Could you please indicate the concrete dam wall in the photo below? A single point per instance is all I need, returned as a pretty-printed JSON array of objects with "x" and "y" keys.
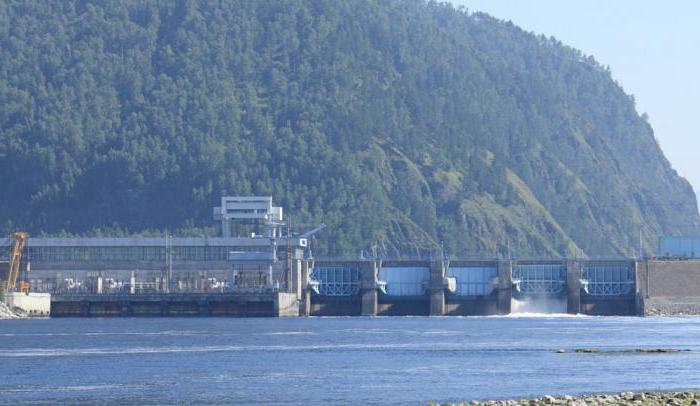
[{"x": 421, "y": 288}]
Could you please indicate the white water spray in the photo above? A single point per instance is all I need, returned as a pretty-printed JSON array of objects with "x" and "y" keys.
[{"x": 538, "y": 307}]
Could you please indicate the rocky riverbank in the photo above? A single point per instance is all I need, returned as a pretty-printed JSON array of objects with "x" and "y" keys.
[
  {"x": 624, "y": 398},
  {"x": 672, "y": 309},
  {"x": 672, "y": 306},
  {"x": 7, "y": 313}
]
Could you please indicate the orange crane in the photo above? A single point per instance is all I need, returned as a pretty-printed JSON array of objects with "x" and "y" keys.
[{"x": 15, "y": 258}]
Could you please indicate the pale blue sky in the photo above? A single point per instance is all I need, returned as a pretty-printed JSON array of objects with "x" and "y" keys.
[{"x": 651, "y": 46}]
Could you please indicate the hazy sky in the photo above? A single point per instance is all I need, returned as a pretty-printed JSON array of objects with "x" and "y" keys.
[{"x": 651, "y": 46}]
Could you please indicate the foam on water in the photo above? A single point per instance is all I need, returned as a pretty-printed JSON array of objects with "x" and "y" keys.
[
  {"x": 105, "y": 333},
  {"x": 46, "y": 352},
  {"x": 389, "y": 346},
  {"x": 538, "y": 307},
  {"x": 542, "y": 315},
  {"x": 371, "y": 331},
  {"x": 68, "y": 388}
]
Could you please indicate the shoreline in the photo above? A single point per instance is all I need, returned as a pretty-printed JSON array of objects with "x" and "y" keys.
[{"x": 691, "y": 397}]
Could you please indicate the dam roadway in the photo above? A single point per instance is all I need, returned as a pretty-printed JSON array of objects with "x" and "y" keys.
[{"x": 400, "y": 288}]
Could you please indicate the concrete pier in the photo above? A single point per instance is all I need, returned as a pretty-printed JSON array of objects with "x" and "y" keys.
[
  {"x": 368, "y": 288},
  {"x": 437, "y": 288},
  {"x": 305, "y": 289},
  {"x": 573, "y": 287},
  {"x": 641, "y": 289},
  {"x": 286, "y": 305},
  {"x": 504, "y": 287}
]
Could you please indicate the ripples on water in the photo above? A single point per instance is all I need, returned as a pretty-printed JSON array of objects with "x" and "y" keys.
[{"x": 404, "y": 360}]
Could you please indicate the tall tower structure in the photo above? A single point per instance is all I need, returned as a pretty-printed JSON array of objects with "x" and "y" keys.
[{"x": 255, "y": 212}]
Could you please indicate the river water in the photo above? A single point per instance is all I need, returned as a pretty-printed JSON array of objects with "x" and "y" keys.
[{"x": 338, "y": 361}]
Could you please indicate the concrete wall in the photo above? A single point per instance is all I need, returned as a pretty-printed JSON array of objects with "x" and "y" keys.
[
  {"x": 35, "y": 304},
  {"x": 673, "y": 278},
  {"x": 608, "y": 306},
  {"x": 478, "y": 306},
  {"x": 336, "y": 305},
  {"x": 404, "y": 306},
  {"x": 668, "y": 287},
  {"x": 266, "y": 304}
]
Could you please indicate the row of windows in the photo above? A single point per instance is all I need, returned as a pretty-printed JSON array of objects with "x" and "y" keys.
[{"x": 65, "y": 254}]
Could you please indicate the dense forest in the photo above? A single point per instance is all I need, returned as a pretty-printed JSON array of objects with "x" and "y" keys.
[{"x": 400, "y": 124}]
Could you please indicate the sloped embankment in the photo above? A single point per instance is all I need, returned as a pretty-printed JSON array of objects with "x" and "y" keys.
[{"x": 7, "y": 313}]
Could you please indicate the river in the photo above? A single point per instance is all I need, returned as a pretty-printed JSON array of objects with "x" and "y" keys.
[{"x": 339, "y": 361}]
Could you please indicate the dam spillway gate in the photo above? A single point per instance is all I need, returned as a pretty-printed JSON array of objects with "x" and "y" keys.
[
  {"x": 539, "y": 279},
  {"x": 608, "y": 279},
  {"x": 608, "y": 288},
  {"x": 403, "y": 289},
  {"x": 336, "y": 280}
]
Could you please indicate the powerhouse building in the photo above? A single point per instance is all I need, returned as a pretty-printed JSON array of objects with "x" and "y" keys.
[{"x": 263, "y": 256}]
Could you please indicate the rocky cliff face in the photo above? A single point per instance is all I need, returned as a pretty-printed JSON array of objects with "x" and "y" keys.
[{"x": 400, "y": 124}]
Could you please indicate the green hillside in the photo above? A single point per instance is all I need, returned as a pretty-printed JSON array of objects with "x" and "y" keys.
[{"x": 397, "y": 123}]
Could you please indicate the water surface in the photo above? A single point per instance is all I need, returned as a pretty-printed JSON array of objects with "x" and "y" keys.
[{"x": 339, "y": 361}]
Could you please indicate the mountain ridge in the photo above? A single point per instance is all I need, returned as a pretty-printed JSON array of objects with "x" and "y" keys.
[{"x": 403, "y": 125}]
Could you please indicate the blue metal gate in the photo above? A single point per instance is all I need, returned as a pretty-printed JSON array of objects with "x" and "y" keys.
[
  {"x": 539, "y": 279},
  {"x": 473, "y": 281},
  {"x": 405, "y": 281},
  {"x": 336, "y": 280},
  {"x": 607, "y": 279}
]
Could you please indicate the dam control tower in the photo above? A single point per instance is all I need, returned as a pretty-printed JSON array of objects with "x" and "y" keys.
[{"x": 252, "y": 215}]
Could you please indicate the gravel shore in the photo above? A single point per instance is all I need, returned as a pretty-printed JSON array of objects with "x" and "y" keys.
[{"x": 624, "y": 398}]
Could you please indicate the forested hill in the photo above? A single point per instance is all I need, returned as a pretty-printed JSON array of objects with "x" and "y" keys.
[{"x": 398, "y": 122}]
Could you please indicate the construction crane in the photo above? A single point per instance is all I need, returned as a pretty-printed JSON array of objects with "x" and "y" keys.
[{"x": 15, "y": 259}]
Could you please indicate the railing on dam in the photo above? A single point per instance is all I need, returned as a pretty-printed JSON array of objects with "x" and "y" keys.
[
  {"x": 473, "y": 281},
  {"x": 336, "y": 280},
  {"x": 539, "y": 279},
  {"x": 405, "y": 281},
  {"x": 607, "y": 278}
]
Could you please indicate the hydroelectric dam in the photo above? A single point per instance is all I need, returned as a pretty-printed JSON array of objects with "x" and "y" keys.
[
  {"x": 369, "y": 288},
  {"x": 270, "y": 272}
]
